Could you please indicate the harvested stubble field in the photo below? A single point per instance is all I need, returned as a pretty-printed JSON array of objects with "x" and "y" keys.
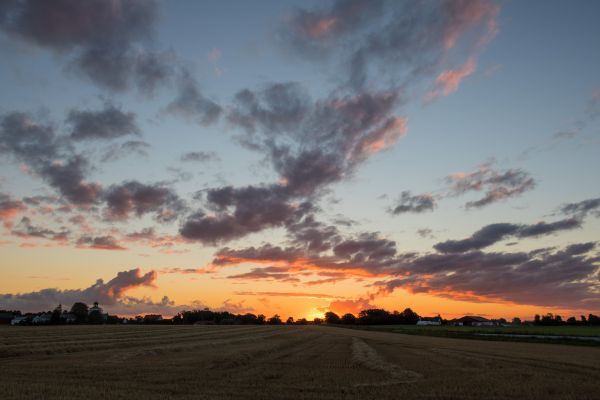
[{"x": 283, "y": 362}]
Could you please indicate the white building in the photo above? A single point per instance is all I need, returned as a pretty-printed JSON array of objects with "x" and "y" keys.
[{"x": 429, "y": 321}]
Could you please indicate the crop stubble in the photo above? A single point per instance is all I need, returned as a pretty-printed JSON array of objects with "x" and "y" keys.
[{"x": 283, "y": 362}]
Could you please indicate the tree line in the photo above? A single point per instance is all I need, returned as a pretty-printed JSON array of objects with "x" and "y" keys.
[{"x": 80, "y": 313}]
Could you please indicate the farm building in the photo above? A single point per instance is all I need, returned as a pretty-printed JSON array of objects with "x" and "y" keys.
[
  {"x": 43, "y": 318},
  {"x": 429, "y": 321},
  {"x": 19, "y": 319},
  {"x": 469, "y": 320}
]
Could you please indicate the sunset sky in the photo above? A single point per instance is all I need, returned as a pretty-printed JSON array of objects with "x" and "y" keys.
[{"x": 295, "y": 157}]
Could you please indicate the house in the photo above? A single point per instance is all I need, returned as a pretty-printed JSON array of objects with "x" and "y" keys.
[
  {"x": 429, "y": 321},
  {"x": 471, "y": 320},
  {"x": 68, "y": 318},
  {"x": 43, "y": 318},
  {"x": 95, "y": 308},
  {"x": 19, "y": 319}
]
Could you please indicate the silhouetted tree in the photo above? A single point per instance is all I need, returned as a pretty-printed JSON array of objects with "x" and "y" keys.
[
  {"x": 593, "y": 319},
  {"x": 571, "y": 321},
  {"x": 55, "y": 318},
  {"x": 537, "y": 320},
  {"x": 375, "y": 316},
  {"x": 290, "y": 321},
  {"x": 516, "y": 321},
  {"x": 409, "y": 317},
  {"x": 348, "y": 319},
  {"x": 260, "y": 319},
  {"x": 80, "y": 310},
  {"x": 275, "y": 320},
  {"x": 332, "y": 318},
  {"x": 317, "y": 321}
]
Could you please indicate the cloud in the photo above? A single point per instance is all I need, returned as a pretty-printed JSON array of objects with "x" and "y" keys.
[
  {"x": 448, "y": 81},
  {"x": 236, "y": 212},
  {"x": 413, "y": 203},
  {"x": 498, "y": 185},
  {"x": 192, "y": 105},
  {"x": 131, "y": 147},
  {"x": 26, "y": 229},
  {"x": 109, "y": 294},
  {"x": 9, "y": 208},
  {"x": 99, "y": 243},
  {"x": 314, "y": 143},
  {"x": 48, "y": 156},
  {"x": 200, "y": 156},
  {"x": 493, "y": 233},
  {"x": 103, "y": 41},
  {"x": 425, "y": 233},
  {"x": 267, "y": 273},
  {"x": 106, "y": 124},
  {"x": 583, "y": 208},
  {"x": 137, "y": 198},
  {"x": 351, "y": 306},
  {"x": 288, "y": 294},
  {"x": 214, "y": 55},
  {"x": 543, "y": 278},
  {"x": 414, "y": 36}
]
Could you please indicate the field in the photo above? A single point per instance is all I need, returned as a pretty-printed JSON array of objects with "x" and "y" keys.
[
  {"x": 566, "y": 332},
  {"x": 283, "y": 362}
]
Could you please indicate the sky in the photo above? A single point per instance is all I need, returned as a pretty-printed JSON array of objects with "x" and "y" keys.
[{"x": 298, "y": 157}]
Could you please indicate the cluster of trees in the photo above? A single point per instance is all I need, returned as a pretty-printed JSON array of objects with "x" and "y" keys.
[
  {"x": 555, "y": 320},
  {"x": 375, "y": 316},
  {"x": 207, "y": 316}
]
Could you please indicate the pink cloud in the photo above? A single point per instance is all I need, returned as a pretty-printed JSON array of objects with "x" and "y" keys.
[
  {"x": 214, "y": 55},
  {"x": 467, "y": 14},
  {"x": 448, "y": 81}
]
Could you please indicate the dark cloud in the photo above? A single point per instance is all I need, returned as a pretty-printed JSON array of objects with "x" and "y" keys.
[
  {"x": 191, "y": 104},
  {"x": 266, "y": 253},
  {"x": 137, "y": 198},
  {"x": 425, "y": 233},
  {"x": 131, "y": 147},
  {"x": 367, "y": 247},
  {"x": 267, "y": 273},
  {"x": 111, "y": 293},
  {"x": 313, "y": 32},
  {"x": 311, "y": 144},
  {"x": 414, "y": 36},
  {"x": 413, "y": 203},
  {"x": 199, "y": 156},
  {"x": 99, "y": 242},
  {"x": 497, "y": 185},
  {"x": 106, "y": 124},
  {"x": 493, "y": 233},
  {"x": 546, "y": 276},
  {"x": 48, "y": 156},
  {"x": 108, "y": 42},
  {"x": 241, "y": 211},
  {"x": 580, "y": 248},
  {"x": 26, "y": 229},
  {"x": 556, "y": 279},
  {"x": 583, "y": 208}
]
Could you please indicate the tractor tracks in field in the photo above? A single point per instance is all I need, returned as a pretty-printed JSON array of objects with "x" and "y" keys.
[{"x": 367, "y": 357}]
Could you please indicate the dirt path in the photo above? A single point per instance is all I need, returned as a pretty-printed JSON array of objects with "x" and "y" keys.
[{"x": 283, "y": 362}]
